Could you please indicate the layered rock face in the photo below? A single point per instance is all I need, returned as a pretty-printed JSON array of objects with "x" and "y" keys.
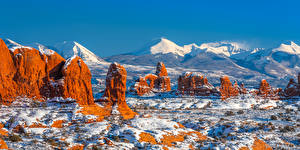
[
  {"x": 194, "y": 84},
  {"x": 293, "y": 88},
  {"x": 227, "y": 90},
  {"x": 77, "y": 81},
  {"x": 27, "y": 72},
  {"x": 160, "y": 82},
  {"x": 266, "y": 91},
  {"x": 116, "y": 88},
  {"x": 163, "y": 82}
]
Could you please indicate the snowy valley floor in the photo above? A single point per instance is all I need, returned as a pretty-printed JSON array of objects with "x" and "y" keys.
[{"x": 163, "y": 122}]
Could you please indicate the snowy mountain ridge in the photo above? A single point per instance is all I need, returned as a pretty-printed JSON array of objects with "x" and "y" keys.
[
  {"x": 69, "y": 48},
  {"x": 291, "y": 48},
  {"x": 65, "y": 49},
  {"x": 165, "y": 46}
]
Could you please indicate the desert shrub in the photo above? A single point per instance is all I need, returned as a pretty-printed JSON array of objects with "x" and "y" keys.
[
  {"x": 95, "y": 147},
  {"x": 15, "y": 138},
  {"x": 273, "y": 117},
  {"x": 288, "y": 111},
  {"x": 125, "y": 141},
  {"x": 240, "y": 112},
  {"x": 229, "y": 113},
  {"x": 287, "y": 128},
  {"x": 51, "y": 142},
  {"x": 116, "y": 138}
]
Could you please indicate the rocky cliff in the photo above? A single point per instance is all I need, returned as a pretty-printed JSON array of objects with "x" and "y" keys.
[
  {"x": 227, "y": 90},
  {"x": 293, "y": 88},
  {"x": 266, "y": 91},
  {"x": 115, "y": 90},
  {"x": 27, "y": 72},
  {"x": 160, "y": 82},
  {"x": 194, "y": 84}
]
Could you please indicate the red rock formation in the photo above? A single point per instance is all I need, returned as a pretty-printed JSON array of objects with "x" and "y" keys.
[
  {"x": 142, "y": 87},
  {"x": 226, "y": 88},
  {"x": 293, "y": 88},
  {"x": 163, "y": 82},
  {"x": 157, "y": 83},
  {"x": 116, "y": 88},
  {"x": 266, "y": 91},
  {"x": 7, "y": 71},
  {"x": 150, "y": 78},
  {"x": 194, "y": 84},
  {"x": 161, "y": 69},
  {"x": 28, "y": 72},
  {"x": 77, "y": 81}
]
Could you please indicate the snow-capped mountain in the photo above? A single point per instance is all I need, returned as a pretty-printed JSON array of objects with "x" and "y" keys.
[
  {"x": 162, "y": 46},
  {"x": 165, "y": 46},
  {"x": 231, "y": 58},
  {"x": 68, "y": 49},
  {"x": 290, "y": 47},
  {"x": 222, "y": 48}
]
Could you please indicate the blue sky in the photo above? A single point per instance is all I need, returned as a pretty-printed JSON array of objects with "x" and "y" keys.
[{"x": 113, "y": 27}]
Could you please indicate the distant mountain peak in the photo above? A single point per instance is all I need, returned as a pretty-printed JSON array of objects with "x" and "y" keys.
[
  {"x": 162, "y": 46},
  {"x": 67, "y": 49},
  {"x": 288, "y": 47}
]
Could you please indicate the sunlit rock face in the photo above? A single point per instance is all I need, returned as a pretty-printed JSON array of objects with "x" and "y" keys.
[
  {"x": 194, "y": 84},
  {"x": 77, "y": 81},
  {"x": 160, "y": 82},
  {"x": 226, "y": 88},
  {"x": 293, "y": 88},
  {"x": 115, "y": 90},
  {"x": 27, "y": 72},
  {"x": 266, "y": 91}
]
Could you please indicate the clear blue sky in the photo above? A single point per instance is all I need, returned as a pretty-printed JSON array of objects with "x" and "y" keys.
[{"x": 112, "y": 26}]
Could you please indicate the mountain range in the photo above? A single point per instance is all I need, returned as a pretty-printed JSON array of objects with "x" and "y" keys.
[{"x": 213, "y": 59}]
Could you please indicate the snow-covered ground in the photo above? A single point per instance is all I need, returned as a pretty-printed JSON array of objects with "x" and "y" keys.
[{"x": 164, "y": 121}]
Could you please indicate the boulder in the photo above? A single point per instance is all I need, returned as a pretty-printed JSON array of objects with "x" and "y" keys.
[
  {"x": 27, "y": 72},
  {"x": 194, "y": 84}
]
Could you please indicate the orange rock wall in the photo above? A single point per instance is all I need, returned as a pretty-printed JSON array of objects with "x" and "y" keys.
[
  {"x": 293, "y": 88},
  {"x": 29, "y": 73},
  {"x": 190, "y": 84},
  {"x": 160, "y": 82},
  {"x": 226, "y": 88},
  {"x": 116, "y": 88},
  {"x": 266, "y": 91}
]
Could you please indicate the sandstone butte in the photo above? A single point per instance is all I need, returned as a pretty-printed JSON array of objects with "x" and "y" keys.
[
  {"x": 266, "y": 91},
  {"x": 194, "y": 84},
  {"x": 27, "y": 72},
  {"x": 160, "y": 82},
  {"x": 115, "y": 90},
  {"x": 293, "y": 88},
  {"x": 227, "y": 90}
]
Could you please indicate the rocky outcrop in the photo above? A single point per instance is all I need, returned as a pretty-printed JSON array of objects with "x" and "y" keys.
[
  {"x": 163, "y": 82},
  {"x": 77, "y": 81},
  {"x": 115, "y": 90},
  {"x": 27, "y": 72},
  {"x": 194, "y": 84},
  {"x": 228, "y": 90},
  {"x": 266, "y": 91},
  {"x": 293, "y": 88},
  {"x": 160, "y": 82}
]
